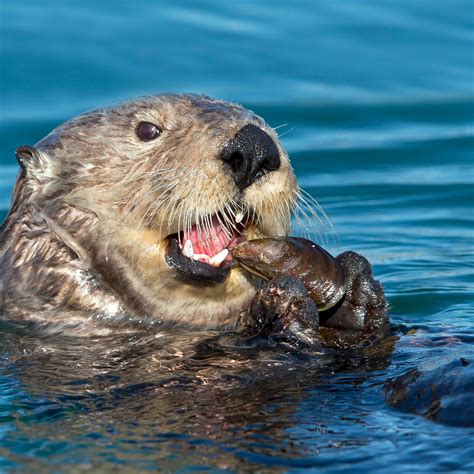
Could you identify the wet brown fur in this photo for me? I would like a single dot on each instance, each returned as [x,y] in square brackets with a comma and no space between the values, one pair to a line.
[84,244]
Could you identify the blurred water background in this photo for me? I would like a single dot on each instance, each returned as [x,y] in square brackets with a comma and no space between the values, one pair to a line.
[374,101]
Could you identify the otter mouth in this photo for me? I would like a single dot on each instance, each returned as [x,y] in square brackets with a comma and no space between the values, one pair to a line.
[203,255]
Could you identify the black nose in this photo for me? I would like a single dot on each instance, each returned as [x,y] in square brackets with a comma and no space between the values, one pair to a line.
[250,155]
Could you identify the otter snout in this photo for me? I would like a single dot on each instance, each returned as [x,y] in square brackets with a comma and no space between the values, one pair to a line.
[250,155]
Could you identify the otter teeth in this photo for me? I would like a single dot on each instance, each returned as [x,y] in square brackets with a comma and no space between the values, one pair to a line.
[202,257]
[239,217]
[218,258]
[188,249]
[215,261]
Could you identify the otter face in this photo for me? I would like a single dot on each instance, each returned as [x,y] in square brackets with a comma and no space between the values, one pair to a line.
[168,184]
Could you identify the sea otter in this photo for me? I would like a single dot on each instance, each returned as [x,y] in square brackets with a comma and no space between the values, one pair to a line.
[124,216]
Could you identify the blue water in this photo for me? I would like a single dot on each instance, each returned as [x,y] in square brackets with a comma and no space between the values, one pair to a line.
[375,100]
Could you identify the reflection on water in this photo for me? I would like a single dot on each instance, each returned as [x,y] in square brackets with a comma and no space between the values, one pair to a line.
[180,398]
[176,400]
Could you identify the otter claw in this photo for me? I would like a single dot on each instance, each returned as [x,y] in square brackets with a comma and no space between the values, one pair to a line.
[282,308]
[343,289]
[365,306]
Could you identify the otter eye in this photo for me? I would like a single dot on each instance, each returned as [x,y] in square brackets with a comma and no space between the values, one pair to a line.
[147,131]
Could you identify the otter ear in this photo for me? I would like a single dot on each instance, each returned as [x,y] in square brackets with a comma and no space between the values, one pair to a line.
[26,155]
[30,159]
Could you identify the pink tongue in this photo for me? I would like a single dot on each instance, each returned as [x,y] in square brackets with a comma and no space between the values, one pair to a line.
[208,242]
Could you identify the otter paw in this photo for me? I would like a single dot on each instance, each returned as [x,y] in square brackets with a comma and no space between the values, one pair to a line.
[364,306]
[283,310]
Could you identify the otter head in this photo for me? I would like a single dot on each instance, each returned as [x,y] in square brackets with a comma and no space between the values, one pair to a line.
[153,193]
